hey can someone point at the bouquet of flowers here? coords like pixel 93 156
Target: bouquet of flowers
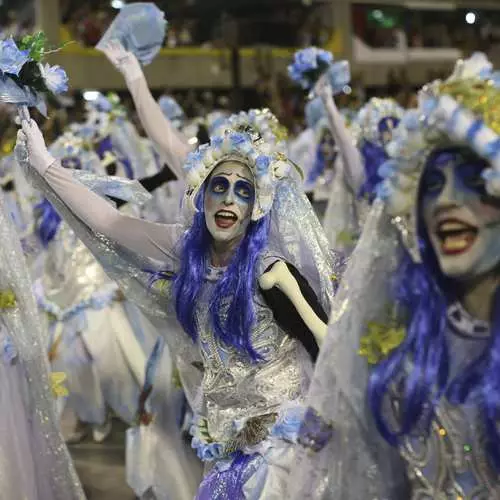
pixel 311 63
pixel 24 78
pixel 140 28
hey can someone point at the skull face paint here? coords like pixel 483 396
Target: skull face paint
pixel 461 220
pixel 229 198
pixel 386 127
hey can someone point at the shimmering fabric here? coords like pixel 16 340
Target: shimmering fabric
pixel 238 392
pixel 34 461
pixel 356 462
pixel 227 483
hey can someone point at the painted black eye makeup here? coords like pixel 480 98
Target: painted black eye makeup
pixel 244 190
pixel 470 176
pixel 219 185
pixel 433 182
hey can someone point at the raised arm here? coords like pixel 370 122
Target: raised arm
pixel 171 145
pixel 353 163
pixel 150 239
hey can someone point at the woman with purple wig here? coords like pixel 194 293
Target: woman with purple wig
pixel 250 279
pixel 361 152
pixel 407 405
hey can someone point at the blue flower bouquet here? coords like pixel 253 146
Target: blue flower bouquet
pixel 140 28
pixel 24 79
pixel 311 63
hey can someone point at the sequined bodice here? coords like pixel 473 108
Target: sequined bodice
pixel 450 463
pixel 71 273
pixel 234 388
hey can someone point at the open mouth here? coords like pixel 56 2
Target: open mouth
pixel 455 236
pixel 225 219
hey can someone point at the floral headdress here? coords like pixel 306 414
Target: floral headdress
pixel 261 125
pixel 371 114
pixel 463 109
pixel 24 79
pixel 267 165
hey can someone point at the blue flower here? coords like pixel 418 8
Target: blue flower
pixel 207 451
pixel 11 58
pixel 325 57
pixel 55 78
pixel 387 170
pixel 9 351
pixel 315 432
pixel 306 61
pixel 288 425
pixel 384 190
pixel 216 141
pixel 429 104
pixel 103 104
pixel 237 140
pixel 411 120
pixel 262 164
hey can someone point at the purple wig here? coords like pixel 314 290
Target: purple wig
pixel 374 156
pixel 424 293
pixel 232 323
pixel 47 222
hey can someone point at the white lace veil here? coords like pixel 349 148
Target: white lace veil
pixel 356 463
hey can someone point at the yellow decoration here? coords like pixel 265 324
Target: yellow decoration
pixel 57 384
pixel 8 146
pixel 176 378
pixel 380 341
pixel 7 299
pixel 480 97
pixel 346 238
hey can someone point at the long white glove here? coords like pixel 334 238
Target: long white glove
pixel 125 62
pixel 31 148
pixel 323 89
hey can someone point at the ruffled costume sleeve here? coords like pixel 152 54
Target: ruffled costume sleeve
pixel 149 239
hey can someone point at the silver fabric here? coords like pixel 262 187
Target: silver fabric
pixel 451 462
pixel 234 388
pixel 356 463
pixel 71 274
pixel 34 461
pixel 297 237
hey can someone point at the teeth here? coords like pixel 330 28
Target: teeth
pixel 223 213
pixel 453 226
pixel 455 244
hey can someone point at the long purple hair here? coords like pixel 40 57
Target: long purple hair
pixel 47 222
pixel 374 155
pixel 423 293
pixel 231 306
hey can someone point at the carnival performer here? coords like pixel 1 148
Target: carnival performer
pixel 87 320
pixel 404 400
pixel 362 150
pixel 249 286
pixel 35 463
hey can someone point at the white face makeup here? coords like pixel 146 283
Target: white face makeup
pixel 462 222
pixel 229 198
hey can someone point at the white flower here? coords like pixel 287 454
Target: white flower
pixel 476 66
pixel 55 78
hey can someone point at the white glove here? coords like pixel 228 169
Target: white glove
pixel 323 89
pixel 31 148
pixel 125 62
